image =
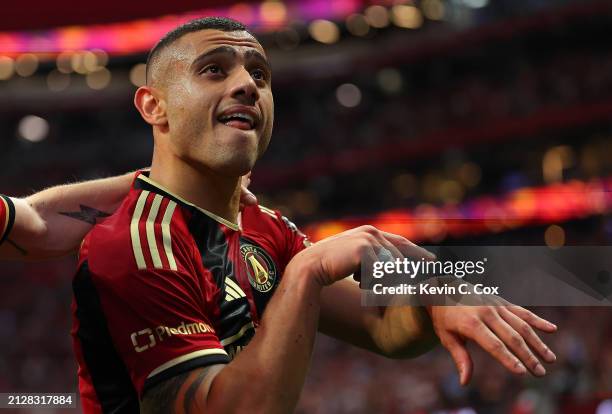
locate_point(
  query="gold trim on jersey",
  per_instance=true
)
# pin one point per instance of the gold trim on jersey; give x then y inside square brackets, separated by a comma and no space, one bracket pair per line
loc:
[186,357]
[150,229]
[167,236]
[152,219]
[135,232]
[213,216]
[267,211]
[237,336]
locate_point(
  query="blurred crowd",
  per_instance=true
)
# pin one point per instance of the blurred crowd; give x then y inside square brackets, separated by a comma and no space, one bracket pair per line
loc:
[473,86]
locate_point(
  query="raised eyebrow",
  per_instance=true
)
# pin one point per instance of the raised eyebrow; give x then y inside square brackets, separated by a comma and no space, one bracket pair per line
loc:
[221,50]
[254,54]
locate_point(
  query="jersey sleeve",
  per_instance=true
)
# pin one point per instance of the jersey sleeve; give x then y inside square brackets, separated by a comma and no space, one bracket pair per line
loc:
[160,324]
[295,240]
[275,232]
[7,217]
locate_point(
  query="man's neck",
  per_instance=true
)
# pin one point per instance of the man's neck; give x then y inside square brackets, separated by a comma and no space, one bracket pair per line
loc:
[217,194]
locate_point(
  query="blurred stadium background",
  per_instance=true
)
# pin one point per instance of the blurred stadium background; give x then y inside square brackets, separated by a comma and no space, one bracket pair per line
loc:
[448,121]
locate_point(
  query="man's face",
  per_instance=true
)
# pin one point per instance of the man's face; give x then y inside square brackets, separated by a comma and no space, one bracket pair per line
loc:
[219,105]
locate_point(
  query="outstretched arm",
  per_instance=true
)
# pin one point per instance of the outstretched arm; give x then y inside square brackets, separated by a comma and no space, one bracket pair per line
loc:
[53,222]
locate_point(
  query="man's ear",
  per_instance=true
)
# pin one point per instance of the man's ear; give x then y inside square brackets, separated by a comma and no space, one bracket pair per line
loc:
[150,105]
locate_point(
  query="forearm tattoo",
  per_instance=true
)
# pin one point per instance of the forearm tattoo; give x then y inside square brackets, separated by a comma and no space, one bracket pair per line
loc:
[87,214]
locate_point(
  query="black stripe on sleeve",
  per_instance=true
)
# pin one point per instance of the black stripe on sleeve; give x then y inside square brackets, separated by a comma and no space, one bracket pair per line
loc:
[183,367]
[11,217]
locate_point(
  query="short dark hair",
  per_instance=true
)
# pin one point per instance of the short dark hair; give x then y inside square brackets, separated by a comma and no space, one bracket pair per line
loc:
[204,23]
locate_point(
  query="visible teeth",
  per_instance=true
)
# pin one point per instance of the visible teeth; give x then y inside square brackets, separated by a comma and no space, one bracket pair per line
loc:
[239,115]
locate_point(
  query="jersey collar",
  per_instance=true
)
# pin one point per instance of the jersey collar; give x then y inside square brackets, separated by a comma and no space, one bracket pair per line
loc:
[148,183]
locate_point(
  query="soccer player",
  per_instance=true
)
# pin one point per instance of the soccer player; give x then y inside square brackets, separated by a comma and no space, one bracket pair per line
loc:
[184,305]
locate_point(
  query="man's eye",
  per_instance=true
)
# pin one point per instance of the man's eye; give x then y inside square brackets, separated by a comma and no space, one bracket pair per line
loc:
[211,69]
[258,74]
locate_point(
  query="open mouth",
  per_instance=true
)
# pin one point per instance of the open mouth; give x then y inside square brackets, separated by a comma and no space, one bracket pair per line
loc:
[239,120]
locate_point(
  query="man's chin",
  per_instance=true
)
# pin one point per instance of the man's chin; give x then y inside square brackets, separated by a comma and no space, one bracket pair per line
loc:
[236,165]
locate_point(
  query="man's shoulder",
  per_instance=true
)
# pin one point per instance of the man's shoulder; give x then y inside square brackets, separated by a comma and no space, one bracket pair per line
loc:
[261,219]
[272,231]
[148,231]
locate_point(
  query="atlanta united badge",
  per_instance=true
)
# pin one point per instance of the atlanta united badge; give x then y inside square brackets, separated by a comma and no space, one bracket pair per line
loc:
[260,267]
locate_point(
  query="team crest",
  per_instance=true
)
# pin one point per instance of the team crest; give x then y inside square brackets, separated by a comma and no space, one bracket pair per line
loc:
[260,267]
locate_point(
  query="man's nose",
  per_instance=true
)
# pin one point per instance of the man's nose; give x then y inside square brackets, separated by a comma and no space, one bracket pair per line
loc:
[244,87]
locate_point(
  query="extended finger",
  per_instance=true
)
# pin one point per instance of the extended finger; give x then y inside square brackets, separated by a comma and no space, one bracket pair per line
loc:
[482,335]
[527,332]
[533,319]
[461,357]
[516,343]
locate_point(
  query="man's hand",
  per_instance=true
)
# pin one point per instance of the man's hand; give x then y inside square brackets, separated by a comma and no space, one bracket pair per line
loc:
[505,332]
[339,256]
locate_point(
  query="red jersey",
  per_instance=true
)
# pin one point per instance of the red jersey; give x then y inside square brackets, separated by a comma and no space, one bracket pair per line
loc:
[7,217]
[164,287]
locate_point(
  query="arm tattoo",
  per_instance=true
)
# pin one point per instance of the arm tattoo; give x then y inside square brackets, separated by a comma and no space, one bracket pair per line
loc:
[87,214]
[190,394]
[161,398]
[21,250]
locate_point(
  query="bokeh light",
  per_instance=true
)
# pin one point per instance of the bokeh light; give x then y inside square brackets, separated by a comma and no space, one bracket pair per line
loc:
[433,9]
[408,17]
[554,236]
[324,31]
[99,79]
[273,12]
[475,4]
[33,128]
[138,74]
[7,67]
[348,95]
[357,25]
[64,62]
[378,16]
[26,64]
